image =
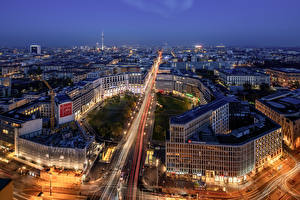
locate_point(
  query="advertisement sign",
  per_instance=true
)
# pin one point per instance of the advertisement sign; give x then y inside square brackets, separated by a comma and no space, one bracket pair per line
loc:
[65,109]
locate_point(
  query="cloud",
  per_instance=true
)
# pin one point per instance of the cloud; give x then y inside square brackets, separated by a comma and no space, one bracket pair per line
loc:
[165,8]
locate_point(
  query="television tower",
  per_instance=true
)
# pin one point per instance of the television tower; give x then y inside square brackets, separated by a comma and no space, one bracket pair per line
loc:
[102,38]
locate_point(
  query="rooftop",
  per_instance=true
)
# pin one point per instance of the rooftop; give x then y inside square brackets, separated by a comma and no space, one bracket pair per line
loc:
[241,72]
[238,136]
[67,137]
[286,103]
[287,70]
[256,130]
[62,98]
[198,111]
[16,115]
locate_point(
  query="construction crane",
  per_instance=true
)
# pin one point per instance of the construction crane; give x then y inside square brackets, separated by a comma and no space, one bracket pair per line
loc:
[114,61]
[52,103]
[173,54]
[130,53]
[52,95]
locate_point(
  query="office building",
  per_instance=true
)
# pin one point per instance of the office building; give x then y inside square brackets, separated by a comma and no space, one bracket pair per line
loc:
[204,146]
[189,85]
[284,108]
[5,87]
[68,147]
[19,121]
[241,76]
[285,77]
[7,104]
[35,49]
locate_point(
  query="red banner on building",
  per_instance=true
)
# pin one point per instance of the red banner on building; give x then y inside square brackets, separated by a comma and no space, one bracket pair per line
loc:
[65,110]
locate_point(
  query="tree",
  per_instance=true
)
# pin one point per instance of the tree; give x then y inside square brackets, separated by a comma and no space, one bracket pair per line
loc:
[264,87]
[34,72]
[297,84]
[247,86]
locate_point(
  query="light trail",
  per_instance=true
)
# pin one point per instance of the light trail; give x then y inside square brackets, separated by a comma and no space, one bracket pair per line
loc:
[138,152]
[136,168]
[134,158]
[133,131]
[276,182]
[133,179]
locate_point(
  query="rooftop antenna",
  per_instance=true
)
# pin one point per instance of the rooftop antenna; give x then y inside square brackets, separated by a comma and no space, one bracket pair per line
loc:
[102,38]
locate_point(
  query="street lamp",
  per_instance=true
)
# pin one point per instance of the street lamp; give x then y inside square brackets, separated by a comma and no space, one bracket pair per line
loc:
[157,162]
[50,184]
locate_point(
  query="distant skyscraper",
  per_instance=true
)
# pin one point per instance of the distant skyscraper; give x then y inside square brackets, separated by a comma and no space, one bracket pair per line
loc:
[102,38]
[35,49]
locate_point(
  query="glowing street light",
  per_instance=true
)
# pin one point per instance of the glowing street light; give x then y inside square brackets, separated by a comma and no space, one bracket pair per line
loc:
[157,162]
[50,184]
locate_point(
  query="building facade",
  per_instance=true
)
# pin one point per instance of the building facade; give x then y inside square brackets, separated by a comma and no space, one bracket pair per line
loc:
[239,77]
[12,126]
[35,49]
[43,154]
[284,109]
[191,86]
[68,148]
[197,149]
[285,77]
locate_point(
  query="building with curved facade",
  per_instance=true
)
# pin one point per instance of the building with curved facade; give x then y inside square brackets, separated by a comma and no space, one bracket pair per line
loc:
[68,148]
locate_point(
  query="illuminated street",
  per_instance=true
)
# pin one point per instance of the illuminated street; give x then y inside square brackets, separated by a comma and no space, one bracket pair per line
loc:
[134,131]
[110,186]
[150,100]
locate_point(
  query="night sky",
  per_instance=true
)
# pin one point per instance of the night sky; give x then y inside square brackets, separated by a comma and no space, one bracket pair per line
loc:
[177,22]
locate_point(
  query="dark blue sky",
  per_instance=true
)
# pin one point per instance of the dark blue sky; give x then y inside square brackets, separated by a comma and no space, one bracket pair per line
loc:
[78,22]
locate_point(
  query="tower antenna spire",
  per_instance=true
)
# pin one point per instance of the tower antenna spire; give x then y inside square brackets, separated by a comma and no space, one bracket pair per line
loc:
[102,38]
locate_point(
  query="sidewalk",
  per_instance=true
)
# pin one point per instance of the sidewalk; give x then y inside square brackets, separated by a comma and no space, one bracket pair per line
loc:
[28,163]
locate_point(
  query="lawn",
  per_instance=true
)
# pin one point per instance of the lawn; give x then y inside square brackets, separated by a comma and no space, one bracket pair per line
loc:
[167,107]
[110,121]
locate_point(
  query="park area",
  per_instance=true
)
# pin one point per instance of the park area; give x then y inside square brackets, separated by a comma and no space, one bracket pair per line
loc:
[110,121]
[167,106]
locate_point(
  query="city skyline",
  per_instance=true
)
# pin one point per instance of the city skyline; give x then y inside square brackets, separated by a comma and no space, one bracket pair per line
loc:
[150,99]
[70,23]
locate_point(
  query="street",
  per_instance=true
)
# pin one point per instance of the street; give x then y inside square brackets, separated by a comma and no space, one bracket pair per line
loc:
[135,130]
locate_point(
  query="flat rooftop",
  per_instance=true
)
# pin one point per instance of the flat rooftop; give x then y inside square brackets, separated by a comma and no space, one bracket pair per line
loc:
[67,137]
[241,72]
[206,135]
[286,103]
[62,98]
[287,70]
[198,111]
[256,131]
[17,113]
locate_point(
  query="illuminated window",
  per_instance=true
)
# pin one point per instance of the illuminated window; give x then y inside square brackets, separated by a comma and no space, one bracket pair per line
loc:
[5,131]
[15,125]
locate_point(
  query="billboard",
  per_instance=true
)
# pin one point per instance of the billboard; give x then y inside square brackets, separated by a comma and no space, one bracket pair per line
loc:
[65,109]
